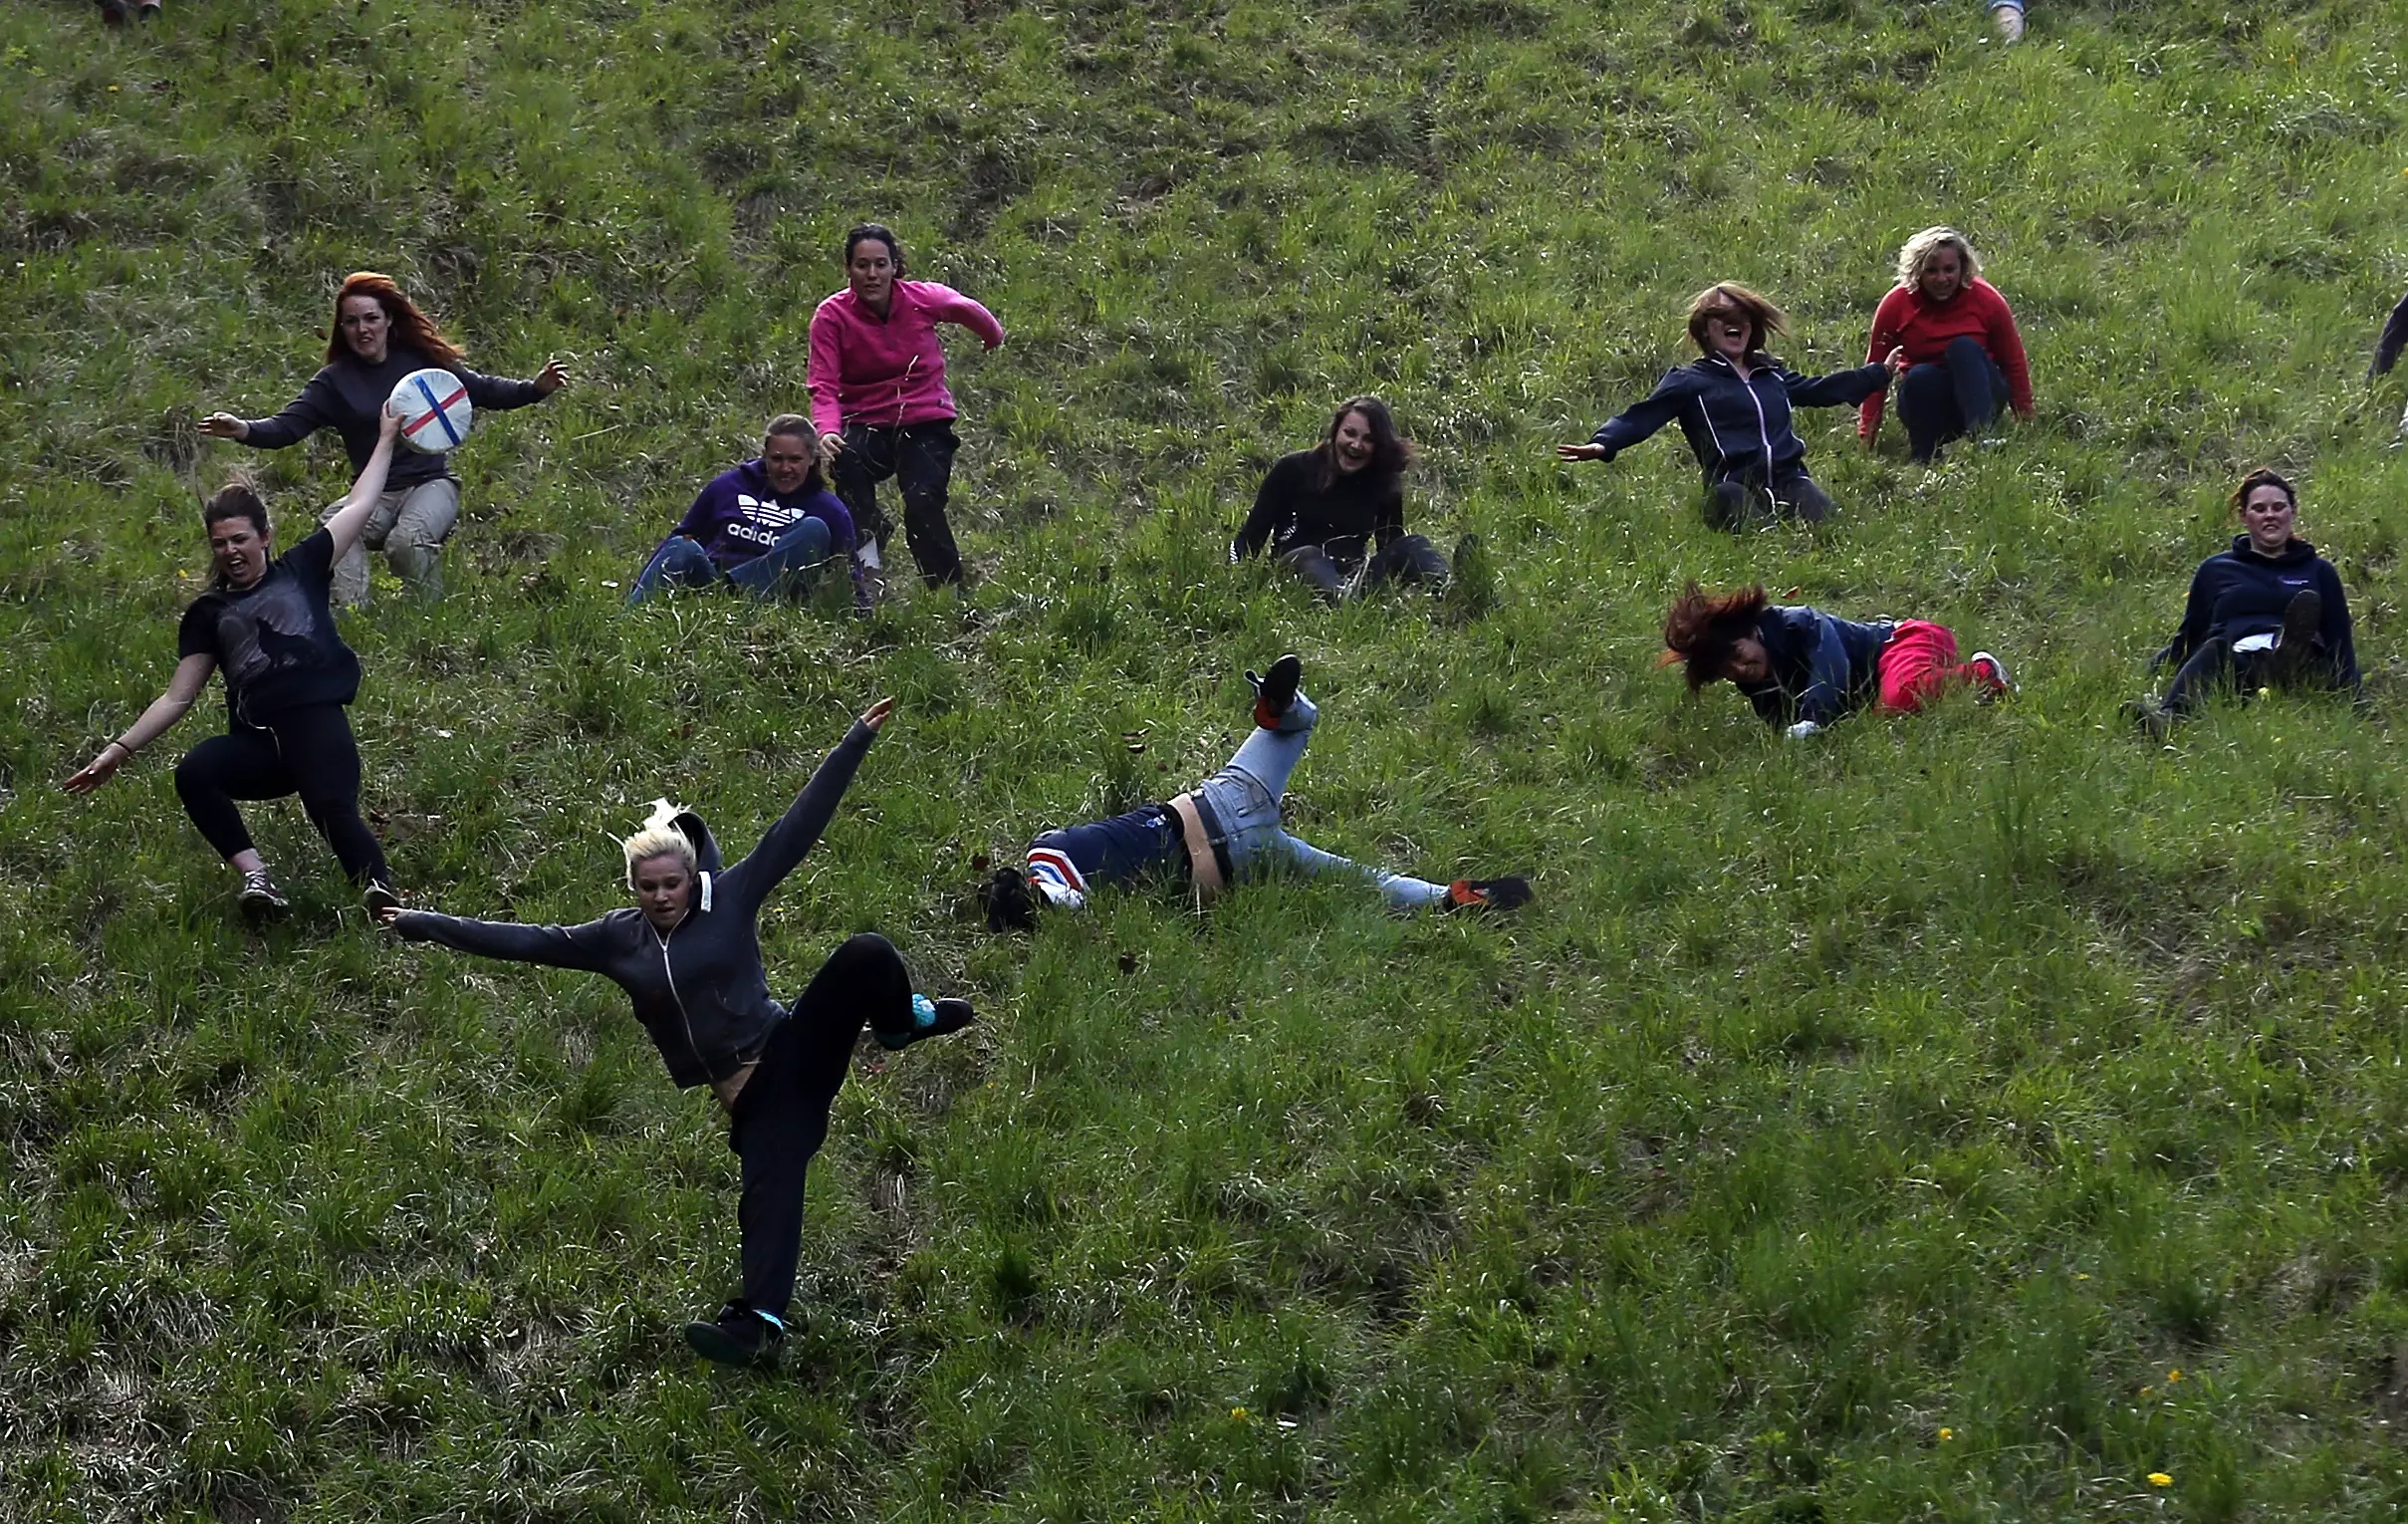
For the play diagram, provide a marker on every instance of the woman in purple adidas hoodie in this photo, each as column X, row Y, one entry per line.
column 879, row 397
column 765, row 526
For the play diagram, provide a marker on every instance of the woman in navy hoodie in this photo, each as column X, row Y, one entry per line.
column 1804, row 669
column 1732, row 403
column 688, row 955
column 2269, row 612
column 765, row 526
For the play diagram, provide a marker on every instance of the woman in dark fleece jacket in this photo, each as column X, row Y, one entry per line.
column 1335, row 514
column 1804, row 669
column 689, row 954
column 2269, row 612
column 381, row 337
column 1734, row 404
column 765, row 526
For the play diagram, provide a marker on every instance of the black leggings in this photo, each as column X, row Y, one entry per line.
column 1745, row 504
column 309, row 752
column 2216, row 667
column 1407, row 557
column 919, row 456
column 1950, row 397
column 780, row 1117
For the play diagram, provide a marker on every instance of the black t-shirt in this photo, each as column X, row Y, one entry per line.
column 1344, row 518
column 275, row 641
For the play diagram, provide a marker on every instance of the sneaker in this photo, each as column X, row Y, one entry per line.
column 112, row 13
column 2303, row 620
column 1275, row 690
column 2149, row 719
column 929, row 1018
column 1507, row 894
column 148, row 10
column 259, row 898
column 379, row 896
column 738, row 1337
column 1011, row 905
column 1992, row 676
column 2008, row 19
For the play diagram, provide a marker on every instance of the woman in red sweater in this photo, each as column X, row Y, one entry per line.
column 1962, row 347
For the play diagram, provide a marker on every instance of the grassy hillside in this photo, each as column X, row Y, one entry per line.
column 1862, row 1130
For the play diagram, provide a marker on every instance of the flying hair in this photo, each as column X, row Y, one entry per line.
column 658, row 837
column 1700, row 632
column 409, row 327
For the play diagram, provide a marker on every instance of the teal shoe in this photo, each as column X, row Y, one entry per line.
column 929, row 1018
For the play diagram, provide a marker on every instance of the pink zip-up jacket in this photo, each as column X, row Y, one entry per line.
column 887, row 374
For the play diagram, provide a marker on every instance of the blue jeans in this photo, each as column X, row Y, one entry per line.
column 782, row 570
column 1246, row 794
column 1951, row 398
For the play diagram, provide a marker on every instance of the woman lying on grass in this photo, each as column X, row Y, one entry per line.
column 2268, row 612
column 765, row 526
column 1223, row 827
column 1734, row 405
column 689, row 954
column 1335, row 514
column 1804, row 669
column 266, row 622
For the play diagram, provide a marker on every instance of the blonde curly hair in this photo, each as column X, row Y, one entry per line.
column 1919, row 249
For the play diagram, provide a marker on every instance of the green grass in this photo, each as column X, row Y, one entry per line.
column 1967, row 1074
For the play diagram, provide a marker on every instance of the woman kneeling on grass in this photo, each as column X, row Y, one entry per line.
column 1734, row 405
column 1804, row 669
column 1223, row 827
column 689, row 954
column 267, row 624
column 1964, row 354
column 2268, row 612
column 1335, row 514
column 765, row 526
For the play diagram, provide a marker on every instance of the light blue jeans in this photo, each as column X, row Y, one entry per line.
column 782, row 570
column 1246, row 794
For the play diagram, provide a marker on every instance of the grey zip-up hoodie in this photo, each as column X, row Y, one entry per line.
column 699, row 991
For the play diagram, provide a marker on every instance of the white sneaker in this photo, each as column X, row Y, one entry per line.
column 2008, row 19
column 1995, row 670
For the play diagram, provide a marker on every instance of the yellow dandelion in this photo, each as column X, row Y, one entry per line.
column 1240, row 1413
column 2160, row 1479
column 1948, row 1433
column 2172, row 1377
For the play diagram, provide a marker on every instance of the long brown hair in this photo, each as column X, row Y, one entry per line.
column 1391, row 451
column 1699, row 632
column 409, row 326
column 1764, row 318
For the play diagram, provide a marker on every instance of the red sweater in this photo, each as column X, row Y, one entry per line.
column 1923, row 328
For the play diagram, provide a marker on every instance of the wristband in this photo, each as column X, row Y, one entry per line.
column 122, row 746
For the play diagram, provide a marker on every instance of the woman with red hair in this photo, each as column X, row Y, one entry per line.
column 1804, row 669
column 380, row 337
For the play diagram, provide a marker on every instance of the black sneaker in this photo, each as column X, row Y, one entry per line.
column 259, row 898
column 379, row 896
column 929, row 1018
column 2149, row 719
column 1511, row 893
column 738, row 1337
column 1275, row 690
column 1011, row 903
column 2302, row 620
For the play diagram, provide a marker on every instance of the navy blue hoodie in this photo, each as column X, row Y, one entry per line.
column 699, row 991
column 1740, row 430
column 1823, row 666
column 2239, row 592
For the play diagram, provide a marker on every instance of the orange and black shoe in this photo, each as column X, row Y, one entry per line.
column 1511, row 893
column 1275, row 690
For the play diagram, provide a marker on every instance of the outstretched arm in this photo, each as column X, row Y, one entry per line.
column 747, row 883
column 348, row 520
column 1637, row 421
column 1844, row 388
column 584, row 948
column 307, row 413
column 951, row 306
column 191, row 675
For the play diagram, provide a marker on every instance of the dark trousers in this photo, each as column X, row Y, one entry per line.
column 1407, row 557
column 2215, row 668
column 309, row 752
column 919, row 456
column 1746, row 503
column 781, row 1116
column 1951, row 397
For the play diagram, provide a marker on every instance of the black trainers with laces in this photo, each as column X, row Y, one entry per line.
column 379, row 896
column 1275, row 690
column 2295, row 647
column 738, row 1337
column 259, row 898
column 930, row 1018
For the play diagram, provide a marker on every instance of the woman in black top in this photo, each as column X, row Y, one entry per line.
column 1335, row 514
column 267, row 624
column 381, row 337
column 688, row 955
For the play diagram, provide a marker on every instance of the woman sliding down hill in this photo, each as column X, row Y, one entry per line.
column 2268, row 612
column 1964, row 354
column 1732, row 403
column 1335, row 514
column 765, row 526
column 1804, row 669
column 1226, row 826
column 266, row 622
column 379, row 337
column 689, row 954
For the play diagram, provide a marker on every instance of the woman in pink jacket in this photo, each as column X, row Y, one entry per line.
column 879, row 397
